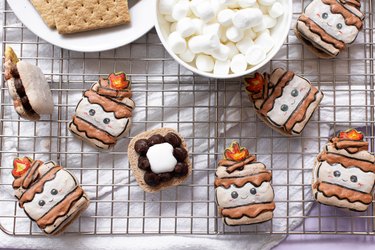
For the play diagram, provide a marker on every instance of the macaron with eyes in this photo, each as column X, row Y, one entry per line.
column 283, row 100
column 243, row 190
column 327, row 27
column 344, row 172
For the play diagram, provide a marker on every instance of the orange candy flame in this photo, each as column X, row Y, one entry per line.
column 351, row 134
column 118, row 81
column 20, row 166
column 236, row 153
column 254, row 84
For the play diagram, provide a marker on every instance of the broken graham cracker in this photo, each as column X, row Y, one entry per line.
column 73, row 16
column 45, row 9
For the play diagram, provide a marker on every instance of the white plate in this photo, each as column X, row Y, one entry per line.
column 142, row 20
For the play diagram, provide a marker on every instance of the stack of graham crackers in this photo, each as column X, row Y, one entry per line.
column 73, row 16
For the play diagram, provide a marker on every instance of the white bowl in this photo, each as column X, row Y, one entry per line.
column 279, row 33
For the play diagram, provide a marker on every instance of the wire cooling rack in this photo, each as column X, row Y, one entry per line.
column 181, row 99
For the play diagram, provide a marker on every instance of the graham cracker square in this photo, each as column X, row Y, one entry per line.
column 72, row 16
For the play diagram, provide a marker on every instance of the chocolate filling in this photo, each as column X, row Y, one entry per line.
column 22, row 93
column 181, row 169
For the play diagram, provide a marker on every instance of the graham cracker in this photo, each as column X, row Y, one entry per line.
column 139, row 173
column 45, row 9
column 72, row 16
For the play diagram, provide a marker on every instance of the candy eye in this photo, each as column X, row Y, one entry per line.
column 253, row 191
column 353, row 178
column 234, row 194
column 91, row 112
column 54, row 191
column 106, row 121
column 294, row 93
column 284, row 107
column 337, row 173
column 339, row 26
column 325, row 15
column 42, row 203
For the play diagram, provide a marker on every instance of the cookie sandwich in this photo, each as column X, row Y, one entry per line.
column 344, row 172
column 27, row 87
column 105, row 112
column 49, row 195
column 159, row 159
column 283, row 100
column 244, row 194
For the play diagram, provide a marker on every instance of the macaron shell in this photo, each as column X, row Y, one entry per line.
column 36, row 88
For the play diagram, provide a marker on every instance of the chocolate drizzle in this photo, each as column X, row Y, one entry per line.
column 250, row 211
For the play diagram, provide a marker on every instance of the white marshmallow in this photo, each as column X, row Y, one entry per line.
column 233, row 4
column 218, row 5
column 266, row 2
column 222, row 53
column 247, row 18
column 177, row 43
column 234, row 34
column 260, row 27
column 169, row 18
column 180, row 10
column 269, row 22
column 255, row 55
column 276, row 10
column 204, row 43
column 205, row 63
column 265, row 40
column 246, row 3
column 244, row 44
column 264, row 9
column 198, row 24
column 204, row 10
column 166, row 6
column 224, row 17
column 238, row 64
column 161, row 151
column 187, row 56
column 233, row 49
column 185, row 27
column 221, row 67
column 213, row 28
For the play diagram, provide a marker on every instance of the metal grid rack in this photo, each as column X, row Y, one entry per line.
column 209, row 113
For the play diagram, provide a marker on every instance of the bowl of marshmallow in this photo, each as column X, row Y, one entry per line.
column 223, row 38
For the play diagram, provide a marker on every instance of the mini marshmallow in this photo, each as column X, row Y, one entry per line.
column 255, row 55
column 234, row 34
column 222, row 53
column 221, row 67
column 205, row 63
column 169, row 18
column 238, row 64
column 187, row 56
column 260, row 27
column 198, row 24
column 265, row 40
column 204, row 10
column 180, row 10
column 177, row 43
column 224, row 17
column 213, row 28
column 233, row 4
column 218, row 5
column 269, row 21
column 276, row 10
column 166, row 6
column 185, row 27
column 246, row 3
column 244, row 44
column 247, row 18
column 233, row 49
column 204, row 43
column 266, row 2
